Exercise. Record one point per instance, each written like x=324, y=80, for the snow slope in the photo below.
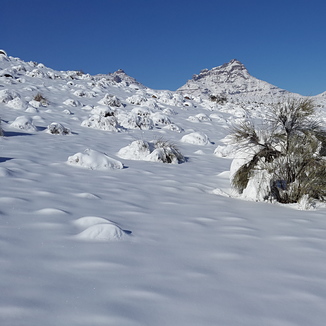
x=116, y=241
x=233, y=81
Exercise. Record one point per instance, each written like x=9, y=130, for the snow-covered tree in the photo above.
x=285, y=159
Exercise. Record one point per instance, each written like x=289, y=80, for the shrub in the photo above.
x=40, y=98
x=155, y=151
x=290, y=148
x=220, y=99
x=170, y=153
x=57, y=129
x=1, y=131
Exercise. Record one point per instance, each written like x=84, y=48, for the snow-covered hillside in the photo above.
x=95, y=229
x=233, y=81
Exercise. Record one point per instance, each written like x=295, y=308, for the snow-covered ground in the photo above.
x=90, y=237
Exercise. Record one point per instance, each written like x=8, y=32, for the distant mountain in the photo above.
x=232, y=79
x=120, y=77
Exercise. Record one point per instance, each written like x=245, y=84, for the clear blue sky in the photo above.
x=162, y=43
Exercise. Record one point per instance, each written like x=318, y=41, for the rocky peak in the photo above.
x=227, y=72
x=231, y=79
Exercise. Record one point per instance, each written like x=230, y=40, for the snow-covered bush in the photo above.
x=17, y=103
x=137, y=99
x=72, y=102
x=102, y=118
x=155, y=151
x=6, y=96
x=137, y=150
x=200, y=117
x=23, y=123
x=220, y=99
x=138, y=118
x=57, y=129
x=134, y=121
x=284, y=159
x=196, y=138
x=173, y=127
x=224, y=151
x=167, y=152
x=97, y=121
x=160, y=119
x=110, y=100
x=41, y=99
x=1, y=131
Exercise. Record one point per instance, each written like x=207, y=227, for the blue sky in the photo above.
x=162, y=43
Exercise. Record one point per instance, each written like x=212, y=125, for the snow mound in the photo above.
x=23, y=123
x=94, y=160
x=155, y=151
x=6, y=96
x=17, y=104
x=56, y=128
x=102, y=118
x=100, y=229
x=136, y=99
x=196, y=138
x=201, y=117
x=137, y=150
x=4, y=172
x=71, y=102
x=101, y=122
x=110, y=100
x=225, y=151
x=51, y=211
x=173, y=127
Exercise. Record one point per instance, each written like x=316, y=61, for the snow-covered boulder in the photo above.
x=94, y=160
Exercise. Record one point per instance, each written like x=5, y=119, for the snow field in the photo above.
x=150, y=243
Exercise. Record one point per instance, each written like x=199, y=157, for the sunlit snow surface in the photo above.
x=134, y=242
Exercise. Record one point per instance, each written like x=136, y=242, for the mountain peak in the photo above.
x=231, y=78
x=231, y=69
x=234, y=64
